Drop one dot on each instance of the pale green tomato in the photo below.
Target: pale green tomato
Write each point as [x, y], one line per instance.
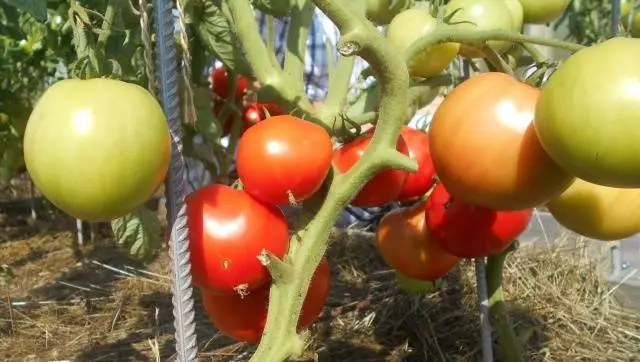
[483, 15]
[543, 11]
[97, 148]
[411, 25]
[588, 115]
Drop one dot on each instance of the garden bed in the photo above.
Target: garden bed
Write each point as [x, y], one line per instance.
[94, 303]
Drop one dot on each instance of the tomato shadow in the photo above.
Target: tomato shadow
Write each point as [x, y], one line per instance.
[368, 318]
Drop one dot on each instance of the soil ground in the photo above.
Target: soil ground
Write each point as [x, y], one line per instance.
[61, 301]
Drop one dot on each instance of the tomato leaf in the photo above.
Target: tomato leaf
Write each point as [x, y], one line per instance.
[214, 29]
[36, 8]
[140, 232]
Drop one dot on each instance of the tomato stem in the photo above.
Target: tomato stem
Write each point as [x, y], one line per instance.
[297, 34]
[507, 340]
[105, 30]
[473, 37]
[496, 60]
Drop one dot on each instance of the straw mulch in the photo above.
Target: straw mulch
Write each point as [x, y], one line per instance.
[93, 303]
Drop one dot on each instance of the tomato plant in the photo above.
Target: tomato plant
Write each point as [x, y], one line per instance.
[91, 159]
[483, 15]
[381, 12]
[385, 186]
[220, 84]
[589, 133]
[542, 12]
[417, 183]
[485, 149]
[228, 230]
[406, 245]
[470, 231]
[411, 25]
[244, 318]
[598, 212]
[284, 159]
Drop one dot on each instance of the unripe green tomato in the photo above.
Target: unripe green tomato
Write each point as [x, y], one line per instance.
[411, 25]
[97, 148]
[543, 11]
[484, 15]
[588, 115]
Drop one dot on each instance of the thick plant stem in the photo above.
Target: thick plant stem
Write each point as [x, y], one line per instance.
[448, 34]
[273, 79]
[297, 34]
[507, 340]
[280, 340]
[107, 22]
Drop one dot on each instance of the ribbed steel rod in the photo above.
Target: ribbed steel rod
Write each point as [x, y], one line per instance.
[167, 75]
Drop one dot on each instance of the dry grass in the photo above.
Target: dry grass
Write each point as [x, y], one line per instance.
[78, 309]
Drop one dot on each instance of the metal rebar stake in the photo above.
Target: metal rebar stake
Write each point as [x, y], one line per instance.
[167, 76]
[483, 309]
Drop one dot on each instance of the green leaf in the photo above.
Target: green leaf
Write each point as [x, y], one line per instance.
[36, 8]
[213, 28]
[139, 232]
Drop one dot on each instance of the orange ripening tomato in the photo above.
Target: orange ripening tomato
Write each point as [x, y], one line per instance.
[406, 246]
[283, 159]
[385, 186]
[417, 183]
[485, 149]
[244, 318]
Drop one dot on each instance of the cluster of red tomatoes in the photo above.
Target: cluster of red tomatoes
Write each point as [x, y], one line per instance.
[252, 113]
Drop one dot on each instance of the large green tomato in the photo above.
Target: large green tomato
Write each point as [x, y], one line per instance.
[411, 25]
[543, 11]
[97, 148]
[380, 12]
[484, 15]
[588, 115]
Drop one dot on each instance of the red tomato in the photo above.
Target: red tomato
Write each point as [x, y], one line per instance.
[485, 148]
[228, 230]
[220, 82]
[418, 183]
[252, 115]
[385, 186]
[283, 156]
[470, 231]
[244, 319]
[406, 246]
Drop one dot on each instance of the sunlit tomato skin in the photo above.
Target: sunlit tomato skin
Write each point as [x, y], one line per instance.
[244, 319]
[417, 183]
[470, 231]
[228, 230]
[588, 114]
[411, 25]
[543, 11]
[483, 15]
[283, 159]
[97, 148]
[220, 82]
[485, 149]
[598, 212]
[385, 186]
[406, 246]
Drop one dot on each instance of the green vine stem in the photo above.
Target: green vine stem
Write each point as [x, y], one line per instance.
[280, 339]
[297, 34]
[107, 22]
[273, 79]
[471, 37]
[507, 339]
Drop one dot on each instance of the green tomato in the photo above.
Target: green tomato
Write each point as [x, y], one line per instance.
[484, 15]
[543, 11]
[380, 12]
[97, 148]
[411, 25]
[588, 114]
[635, 26]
